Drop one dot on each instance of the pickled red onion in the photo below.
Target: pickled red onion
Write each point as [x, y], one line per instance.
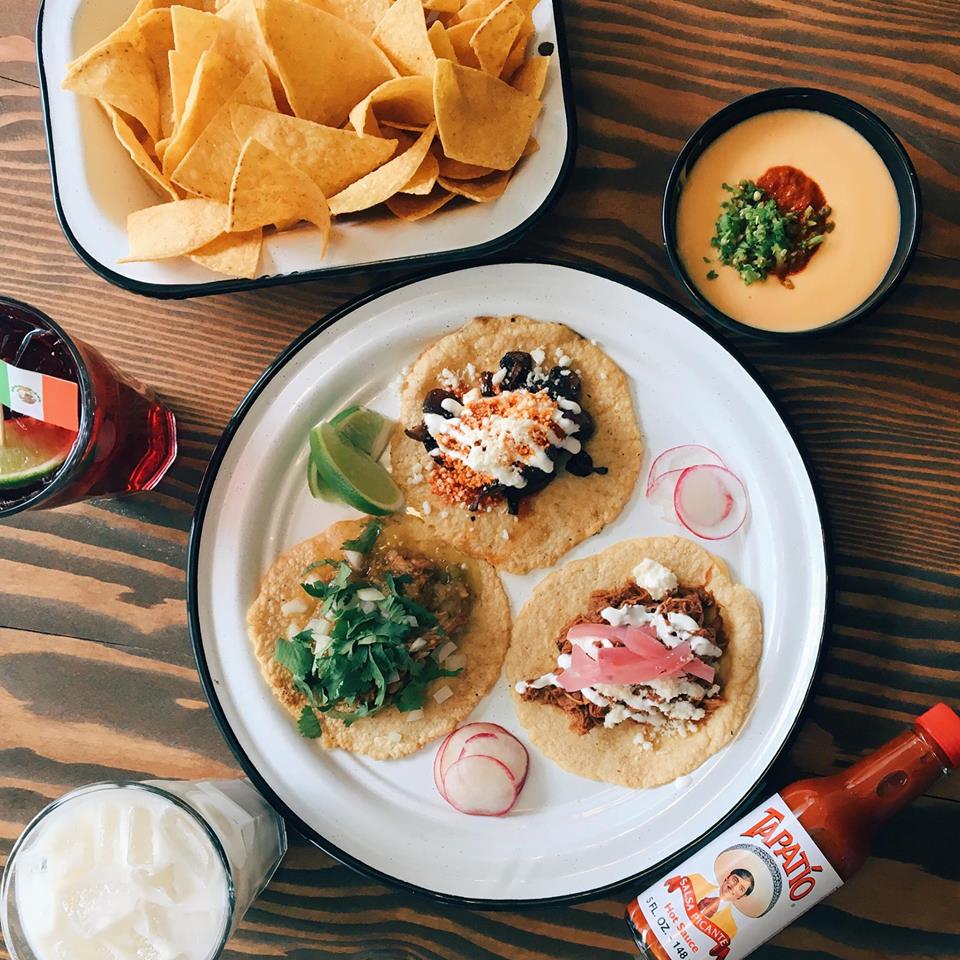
[619, 665]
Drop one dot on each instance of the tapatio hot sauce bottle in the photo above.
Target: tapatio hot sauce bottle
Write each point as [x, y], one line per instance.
[790, 852]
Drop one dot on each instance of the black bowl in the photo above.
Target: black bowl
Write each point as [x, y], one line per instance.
[876, 132]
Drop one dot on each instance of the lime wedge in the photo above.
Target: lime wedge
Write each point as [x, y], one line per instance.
[318, 489]
[31, 449]
[365, 429]
[352, 475]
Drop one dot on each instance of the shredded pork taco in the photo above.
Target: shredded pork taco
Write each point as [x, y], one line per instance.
[517, 440]
[377, 637]
[635, 665]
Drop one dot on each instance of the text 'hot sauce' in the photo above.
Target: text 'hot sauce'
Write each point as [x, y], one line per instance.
[790, 852]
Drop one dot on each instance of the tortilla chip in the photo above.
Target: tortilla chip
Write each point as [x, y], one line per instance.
[480, 189]
[482, 642]
[363, 14]
[194, 31]
[208, 166]
[156, 35]
[481, 119]
[569, 509]
[213, 83]
[404, 100]
[181, 68]
[532, 76]
[325, 64]
[518, 51]
[402, 36]
[233, 254]
[455, 170]
[442, 47]
[478, 9]
[173, 229]
[611, 754]
[493, 39]
[422, 182]
[412, 208]
[533, 145]
[139, 154]
[266, 189]
[441, 6]
[127, 32]
[459, 37]
[332, 158]
[122, 75]
[242, 35]
[384, 182]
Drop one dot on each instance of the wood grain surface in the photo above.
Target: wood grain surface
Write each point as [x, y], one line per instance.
[96, 673]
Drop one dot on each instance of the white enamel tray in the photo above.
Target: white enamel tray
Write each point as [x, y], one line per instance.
[95, 184]
[568, 837]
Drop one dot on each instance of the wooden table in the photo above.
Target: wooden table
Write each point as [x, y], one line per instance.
[96, 673]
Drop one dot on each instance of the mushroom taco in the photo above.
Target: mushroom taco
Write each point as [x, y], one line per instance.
[517, 440]
[377, 637]
[635, 665]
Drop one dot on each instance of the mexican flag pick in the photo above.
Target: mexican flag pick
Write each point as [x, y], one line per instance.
[36, 395]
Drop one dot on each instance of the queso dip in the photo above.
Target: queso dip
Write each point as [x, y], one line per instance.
[854, 256]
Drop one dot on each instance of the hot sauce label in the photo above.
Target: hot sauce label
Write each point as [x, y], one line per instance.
[740, 890]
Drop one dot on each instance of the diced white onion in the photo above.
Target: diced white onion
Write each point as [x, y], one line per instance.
[455, 662]
[292, 630]
[414, 715]
[369, 593]
[393, 737]
[368, 606]
[320, 626]
[417, 645]
[320, 644]
[411, 621]
[443, 694]
[354, 558]
[445, 651]
[291, 607]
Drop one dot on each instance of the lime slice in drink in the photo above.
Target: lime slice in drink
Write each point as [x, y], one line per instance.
[352, 475]
[31, 449]
[365, 429]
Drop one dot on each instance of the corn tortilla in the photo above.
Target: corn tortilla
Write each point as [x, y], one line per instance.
[483, 643]
[610, 755]
[567, 510]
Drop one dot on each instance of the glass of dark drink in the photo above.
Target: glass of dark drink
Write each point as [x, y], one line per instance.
[106, 436]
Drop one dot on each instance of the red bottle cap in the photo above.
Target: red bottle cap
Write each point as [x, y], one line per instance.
[943, 725]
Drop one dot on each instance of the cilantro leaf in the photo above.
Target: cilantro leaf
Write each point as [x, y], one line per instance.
[308, 724]
[368, 537]
[296, 654]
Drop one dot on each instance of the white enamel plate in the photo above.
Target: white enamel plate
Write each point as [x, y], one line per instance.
[567, 837]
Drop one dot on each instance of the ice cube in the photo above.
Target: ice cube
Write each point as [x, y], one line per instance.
[188, 844]
[140, 837]
[100, 901]
[110, 831]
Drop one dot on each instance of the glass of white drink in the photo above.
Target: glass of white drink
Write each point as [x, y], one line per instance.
[161, 870]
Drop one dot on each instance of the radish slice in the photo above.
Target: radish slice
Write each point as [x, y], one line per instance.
[679, 458]
[451, 748]
[480, 786]
[437, 760]
[710, 501]
[661, 493]
[504, 747]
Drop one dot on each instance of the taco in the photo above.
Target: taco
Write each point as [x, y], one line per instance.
[517, 440]
[377, 637]
[635, 665]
